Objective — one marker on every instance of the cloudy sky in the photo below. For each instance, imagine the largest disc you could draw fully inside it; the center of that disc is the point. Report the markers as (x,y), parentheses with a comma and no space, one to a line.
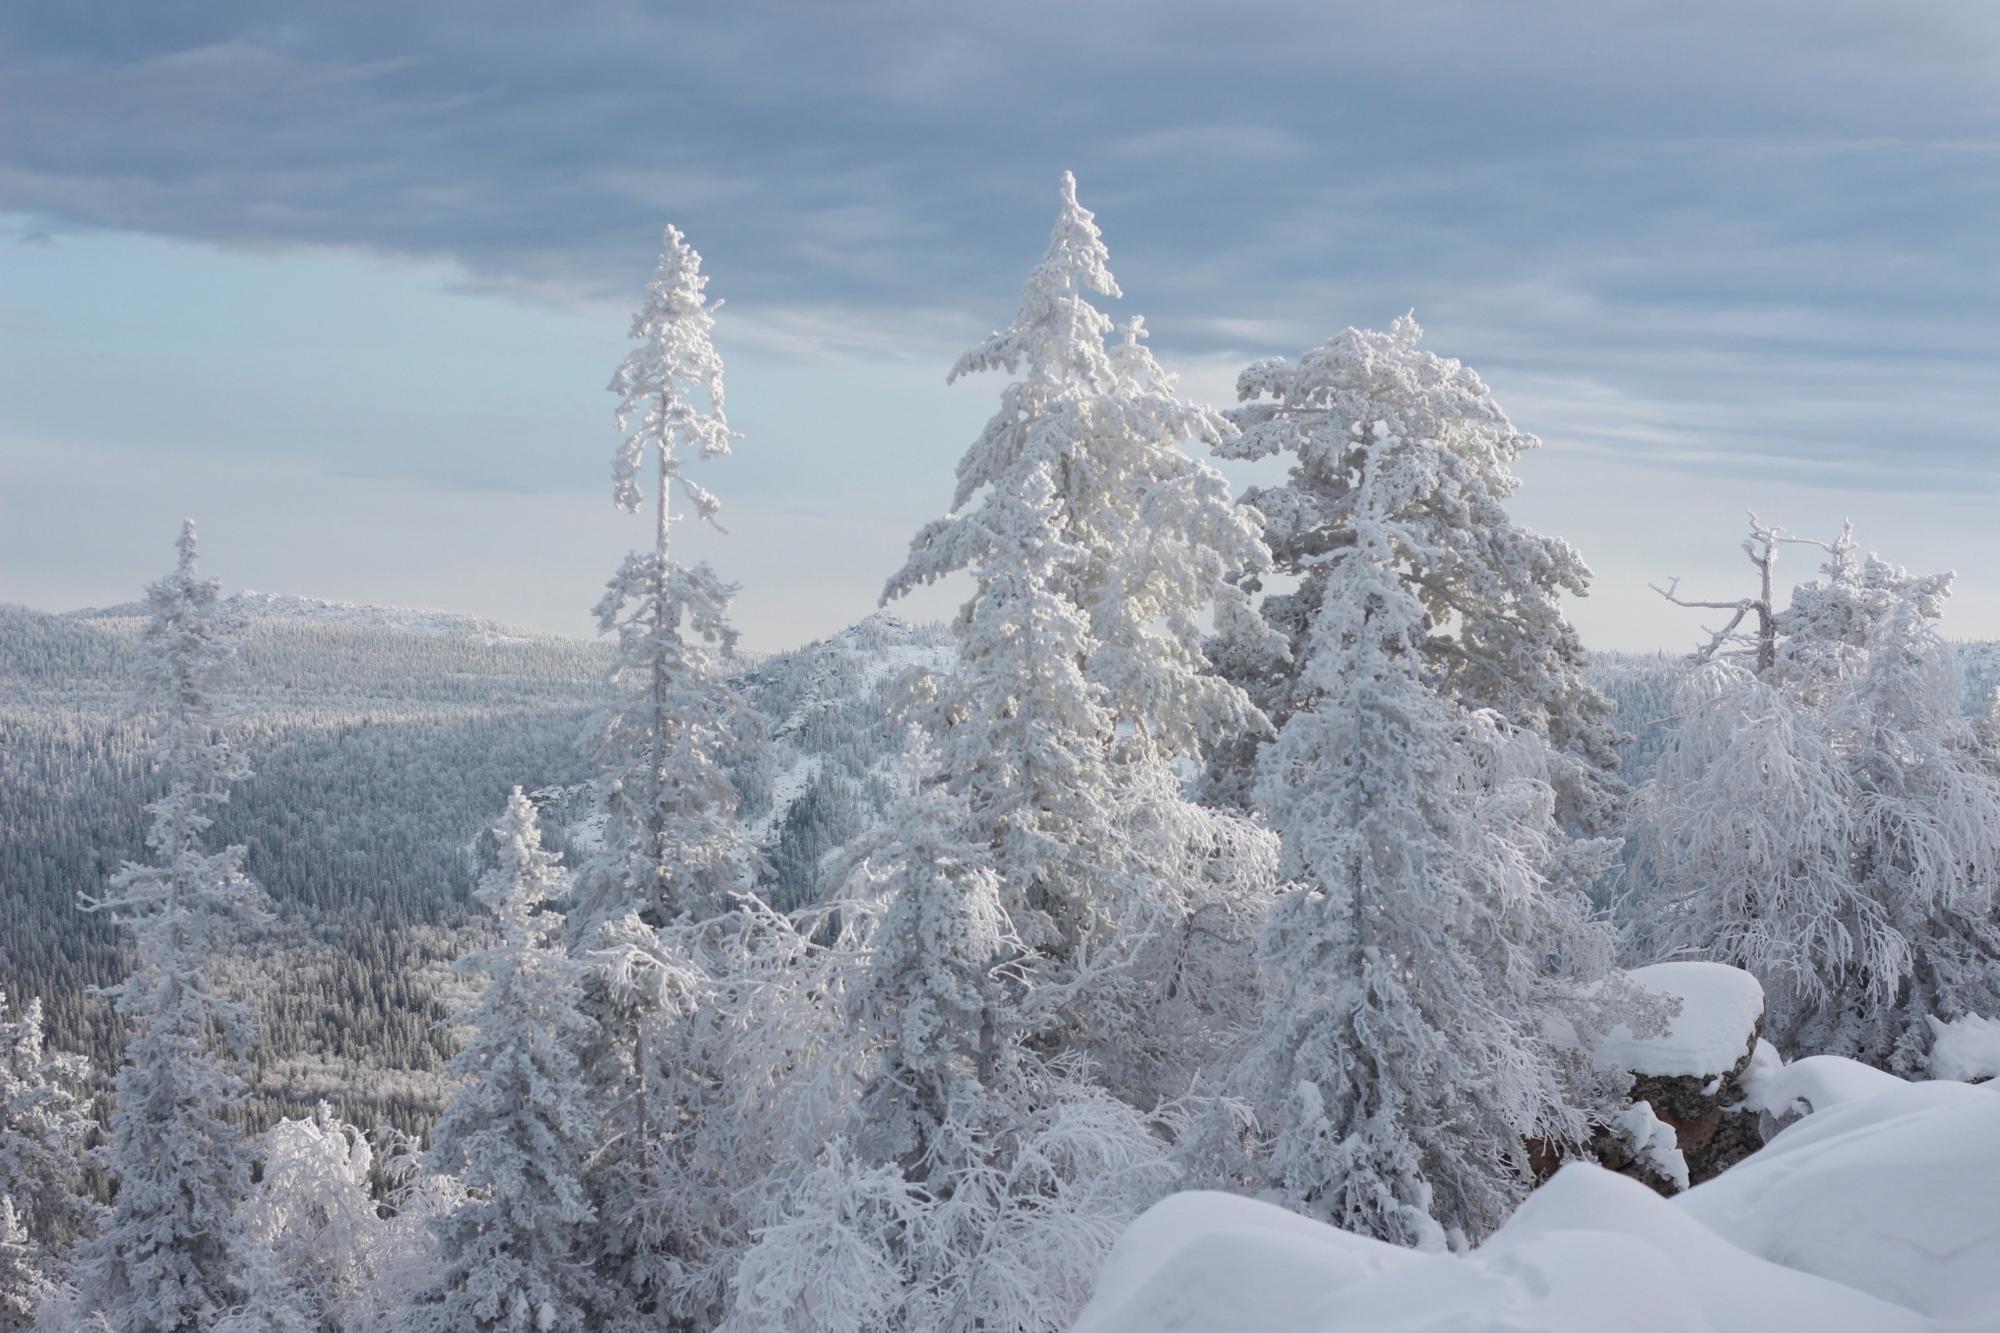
(346,281)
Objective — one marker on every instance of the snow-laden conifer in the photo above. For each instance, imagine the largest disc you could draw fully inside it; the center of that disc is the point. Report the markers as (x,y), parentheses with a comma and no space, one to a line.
(520,1127)
(24,1282)
(1151,537)
(670,844)
(940,996)
(1096,546)
(1414,978)
(1494,629)
(672,854)
(1027,735)
(973,1181)
(313,1211)
(45,1122)
(170,1257)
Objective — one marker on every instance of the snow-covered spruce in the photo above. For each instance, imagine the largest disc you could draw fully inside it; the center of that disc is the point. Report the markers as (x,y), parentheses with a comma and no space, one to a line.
(1096,545)
(1414,979)
(669,844)
(672,851)
(1152,536)
(45,1121)
(171,1256)
(1495,632)
(974,1182)
(522,1125)
(24,1281)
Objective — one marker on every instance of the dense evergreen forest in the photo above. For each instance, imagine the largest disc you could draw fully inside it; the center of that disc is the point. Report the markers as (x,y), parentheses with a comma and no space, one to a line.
(381,743)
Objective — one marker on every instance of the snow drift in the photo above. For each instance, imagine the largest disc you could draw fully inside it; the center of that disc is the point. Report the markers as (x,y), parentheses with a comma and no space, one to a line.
(1870,1215)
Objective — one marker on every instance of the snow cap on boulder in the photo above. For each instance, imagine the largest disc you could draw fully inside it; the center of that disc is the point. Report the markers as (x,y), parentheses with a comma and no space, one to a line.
(1721,1008)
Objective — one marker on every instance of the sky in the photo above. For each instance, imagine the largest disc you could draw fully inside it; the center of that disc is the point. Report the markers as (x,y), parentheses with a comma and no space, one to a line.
(346,281)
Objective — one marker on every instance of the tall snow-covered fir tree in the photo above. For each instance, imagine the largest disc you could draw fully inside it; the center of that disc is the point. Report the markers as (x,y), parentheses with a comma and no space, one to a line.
(973,1181)
(1414,977)
(521,1126)
(670,843)
(1150,537)
(1494,630)
(672,853)
(170,1257)
(1096,546)
(45,1123)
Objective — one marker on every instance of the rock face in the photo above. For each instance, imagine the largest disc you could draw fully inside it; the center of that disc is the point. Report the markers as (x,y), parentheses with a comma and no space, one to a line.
(1710,1135)
(1690,1076)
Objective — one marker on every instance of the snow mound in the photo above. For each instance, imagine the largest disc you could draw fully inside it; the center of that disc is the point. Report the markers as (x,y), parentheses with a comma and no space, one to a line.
(1965,1050)
(1872,1217)
(1892,1194)
(1720,1007)
(1203,1260)
(1815,1083)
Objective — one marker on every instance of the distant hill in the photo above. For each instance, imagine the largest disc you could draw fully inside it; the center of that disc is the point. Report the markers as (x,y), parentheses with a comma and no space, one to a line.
(264,606)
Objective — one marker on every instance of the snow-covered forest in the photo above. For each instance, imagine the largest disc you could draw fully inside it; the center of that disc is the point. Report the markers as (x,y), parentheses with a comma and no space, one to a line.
(1253,910)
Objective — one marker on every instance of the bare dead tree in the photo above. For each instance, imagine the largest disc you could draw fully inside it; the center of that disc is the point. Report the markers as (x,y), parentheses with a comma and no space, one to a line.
(1761,547)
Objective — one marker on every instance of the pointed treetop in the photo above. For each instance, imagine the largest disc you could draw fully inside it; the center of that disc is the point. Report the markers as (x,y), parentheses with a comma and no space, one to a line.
(1076,246)
(184,585)
(669,387)
(526,875)
(678,288)
(1058,333)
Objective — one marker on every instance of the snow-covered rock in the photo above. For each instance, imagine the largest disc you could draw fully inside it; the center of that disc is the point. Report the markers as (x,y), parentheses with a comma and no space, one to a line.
(1654,1144)
(1873,1217)
(1720,1010)
(1685,1079)
(1966,1049)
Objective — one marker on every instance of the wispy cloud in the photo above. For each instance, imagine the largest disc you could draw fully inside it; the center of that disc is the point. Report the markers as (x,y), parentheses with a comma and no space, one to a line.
(1733,242)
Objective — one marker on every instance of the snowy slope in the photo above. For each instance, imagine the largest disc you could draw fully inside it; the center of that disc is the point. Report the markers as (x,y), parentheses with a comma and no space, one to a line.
(1869,1216)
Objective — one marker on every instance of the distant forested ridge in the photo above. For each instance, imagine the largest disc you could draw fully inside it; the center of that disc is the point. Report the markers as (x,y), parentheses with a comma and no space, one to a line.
(382,741)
